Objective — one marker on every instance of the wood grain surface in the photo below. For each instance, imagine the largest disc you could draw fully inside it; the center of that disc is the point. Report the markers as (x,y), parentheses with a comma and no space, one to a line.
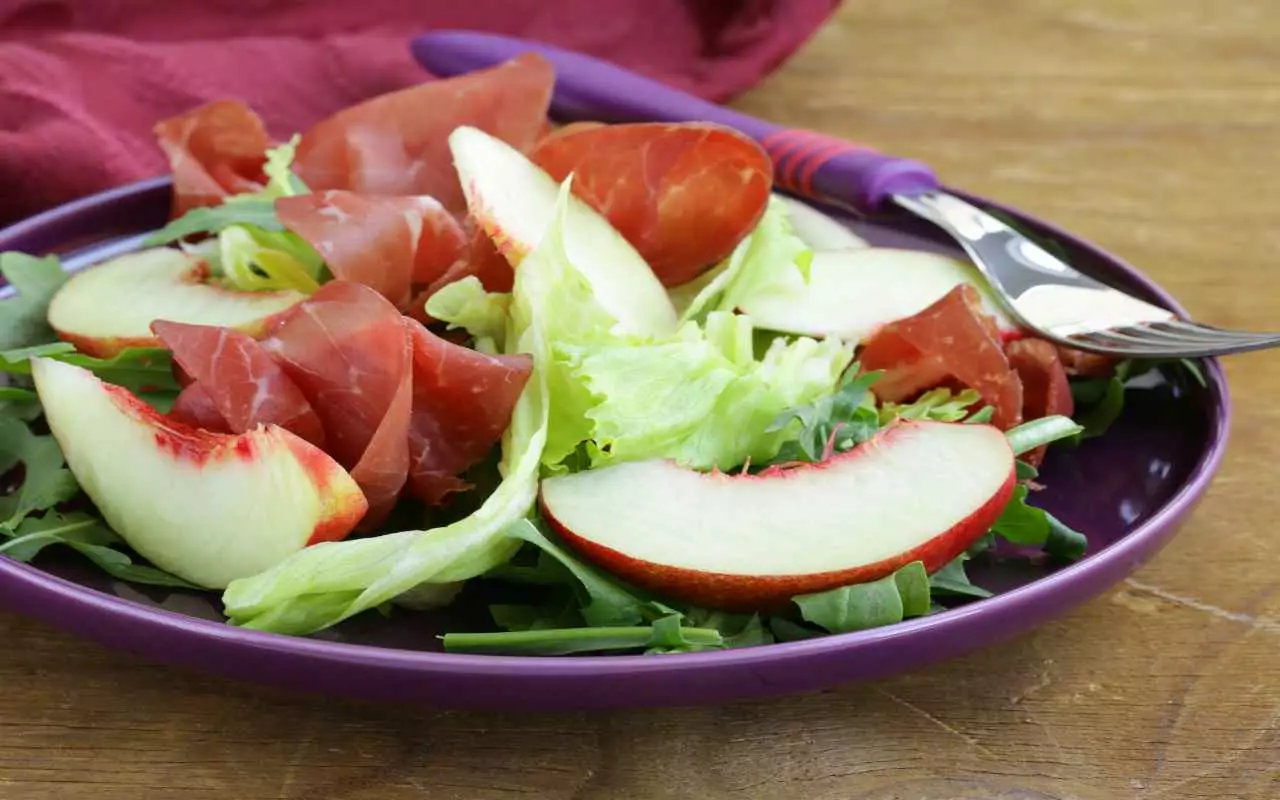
(1149,126)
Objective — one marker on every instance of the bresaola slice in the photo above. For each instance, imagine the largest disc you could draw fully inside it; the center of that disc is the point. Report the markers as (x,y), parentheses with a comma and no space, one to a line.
(462,404)
(389,244)
(683,195)
(214,151)
(236,378)
(194,406)
(347,350)
(397,144)
(950,342)
(1045,388)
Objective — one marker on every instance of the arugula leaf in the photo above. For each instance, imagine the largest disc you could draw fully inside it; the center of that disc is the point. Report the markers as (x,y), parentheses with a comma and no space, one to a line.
(1064,542)
(1020,523)
(19,403)
(665,635)
(23,318)
(259,212)
(891,599)
(1103,398)
(837,422)
(88,536)
(1024,471)
(738,630)
(1026,525)
(604,601)
(787,630)
(45,483)
(561,612)
(953,581)
(139,369)
(1038,432)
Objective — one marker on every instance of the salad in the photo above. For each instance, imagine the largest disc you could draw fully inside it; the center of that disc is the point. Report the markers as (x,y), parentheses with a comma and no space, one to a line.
(601,379)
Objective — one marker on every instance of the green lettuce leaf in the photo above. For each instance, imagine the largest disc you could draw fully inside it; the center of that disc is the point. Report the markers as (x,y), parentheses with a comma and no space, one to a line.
(770,260)
(700,398)
(254,260)
(465,304)
(891,599)
(940,405)
(23,317)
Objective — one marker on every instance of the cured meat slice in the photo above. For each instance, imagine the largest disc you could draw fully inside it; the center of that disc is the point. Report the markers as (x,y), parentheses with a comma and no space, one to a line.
(462,403)
(1085,364)
(214,151)
(397,144)
(347,350)
(1045,388)
(385,243)
(683,195)
(950,343)
(195,407)
(240,379)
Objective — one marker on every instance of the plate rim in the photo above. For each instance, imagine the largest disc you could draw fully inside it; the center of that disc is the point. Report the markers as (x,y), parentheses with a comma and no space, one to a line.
(1075,581)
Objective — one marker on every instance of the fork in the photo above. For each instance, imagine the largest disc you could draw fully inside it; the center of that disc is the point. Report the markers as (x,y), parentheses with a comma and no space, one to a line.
(1040,292)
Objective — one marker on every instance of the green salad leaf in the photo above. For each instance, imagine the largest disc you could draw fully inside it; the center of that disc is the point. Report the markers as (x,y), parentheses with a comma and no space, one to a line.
(953,580)
(770,260)
(940,405)
(88,536)
(257,212)
(665,635)
(23,317)
(138,369)
(1026,525)
(834,422)
(1029,435)
(891,599)
(465,304)
(46,481)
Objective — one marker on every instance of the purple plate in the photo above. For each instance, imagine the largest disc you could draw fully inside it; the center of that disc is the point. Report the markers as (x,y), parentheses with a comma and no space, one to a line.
(1127,491)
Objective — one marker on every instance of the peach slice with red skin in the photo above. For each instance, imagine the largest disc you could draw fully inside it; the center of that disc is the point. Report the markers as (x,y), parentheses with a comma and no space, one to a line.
(110,306)
(207,507)
(917,491)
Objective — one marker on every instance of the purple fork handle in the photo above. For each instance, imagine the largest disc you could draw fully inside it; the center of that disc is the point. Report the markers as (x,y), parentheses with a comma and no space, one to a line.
(806,163)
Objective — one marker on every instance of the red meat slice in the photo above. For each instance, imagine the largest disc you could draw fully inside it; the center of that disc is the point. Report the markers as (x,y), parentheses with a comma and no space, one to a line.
(240,379)
(682,195)
(462,403)
(951,342)
(195,407)
(385,243)
(347,350)
(1045,388)
(214,151)
(397,144)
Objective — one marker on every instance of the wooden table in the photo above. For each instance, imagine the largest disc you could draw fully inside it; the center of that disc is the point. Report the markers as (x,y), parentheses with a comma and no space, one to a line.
(1150,126)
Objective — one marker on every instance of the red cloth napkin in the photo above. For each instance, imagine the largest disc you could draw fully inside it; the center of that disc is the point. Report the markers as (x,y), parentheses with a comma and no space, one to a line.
(82,83)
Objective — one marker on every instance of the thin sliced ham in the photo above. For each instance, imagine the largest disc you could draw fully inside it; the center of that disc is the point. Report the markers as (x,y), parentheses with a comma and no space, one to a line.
(240,378)
(397,144)
(950,343)
(1045,388)
(389,244)
(214,151)
(347,350)
(683,195)
(462,403)
(194,406)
